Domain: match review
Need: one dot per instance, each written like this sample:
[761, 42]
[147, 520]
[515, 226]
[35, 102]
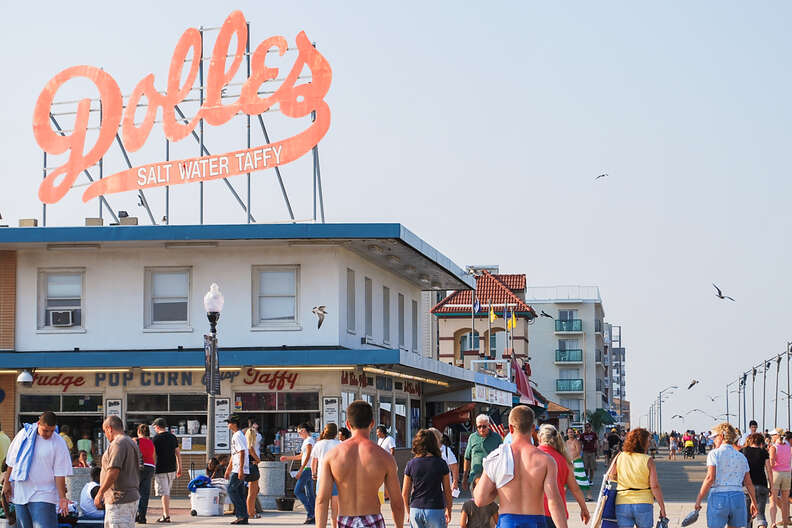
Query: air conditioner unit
[61, 318]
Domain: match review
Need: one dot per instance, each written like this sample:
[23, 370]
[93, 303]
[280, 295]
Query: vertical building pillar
[8, 270]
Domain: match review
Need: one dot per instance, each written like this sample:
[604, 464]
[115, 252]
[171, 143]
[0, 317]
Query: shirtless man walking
[519, 476]
[358, 467]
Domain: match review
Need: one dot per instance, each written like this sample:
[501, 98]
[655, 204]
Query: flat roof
[397, 246]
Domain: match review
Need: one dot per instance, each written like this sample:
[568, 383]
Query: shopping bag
[606, 502]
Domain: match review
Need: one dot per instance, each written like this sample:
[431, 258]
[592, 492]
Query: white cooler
[205, 502]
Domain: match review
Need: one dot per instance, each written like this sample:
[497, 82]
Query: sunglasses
[482, 427]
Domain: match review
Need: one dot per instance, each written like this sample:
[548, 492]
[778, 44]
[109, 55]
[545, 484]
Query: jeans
[762, 495]
[425, 518]
[36, 515]
[726, 508]
[145, 490]
[304, 491]
[237, 492]
[640, 515]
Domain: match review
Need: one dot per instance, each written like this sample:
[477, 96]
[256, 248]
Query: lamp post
[213, 303]
[660, 406]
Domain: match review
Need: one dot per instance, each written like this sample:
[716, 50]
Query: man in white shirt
[743, 440]
[385, 441]
[236, 471]
[304, 489]
[37, 480]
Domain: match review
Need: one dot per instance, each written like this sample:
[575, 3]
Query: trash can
[272, 483]
[76, 482]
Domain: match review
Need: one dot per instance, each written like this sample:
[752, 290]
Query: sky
[481, 127]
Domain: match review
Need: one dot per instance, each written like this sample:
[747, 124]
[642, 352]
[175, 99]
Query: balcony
[574, 355]
[569, 326]
[599, 357]
[569, 385]
[598, 326]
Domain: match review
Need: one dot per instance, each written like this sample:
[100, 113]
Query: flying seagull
[604, 174]
[713, 398]
[720, 295]
[320, 312]
[692, 382]
[545, 314]
[677, 416]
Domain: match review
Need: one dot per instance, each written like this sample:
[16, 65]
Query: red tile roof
[489, 288]
[513, 281]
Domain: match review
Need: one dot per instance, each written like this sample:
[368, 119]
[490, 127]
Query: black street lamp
[213, 303]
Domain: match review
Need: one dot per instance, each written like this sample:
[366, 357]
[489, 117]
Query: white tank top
[86, 501]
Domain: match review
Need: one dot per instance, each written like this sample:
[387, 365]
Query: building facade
[110, 320]
[568, 347]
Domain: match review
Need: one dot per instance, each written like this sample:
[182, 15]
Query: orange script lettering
[295, 100]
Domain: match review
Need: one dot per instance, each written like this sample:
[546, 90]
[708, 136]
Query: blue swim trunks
[513, 520]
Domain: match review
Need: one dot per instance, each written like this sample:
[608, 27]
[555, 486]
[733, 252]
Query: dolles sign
[295, 100]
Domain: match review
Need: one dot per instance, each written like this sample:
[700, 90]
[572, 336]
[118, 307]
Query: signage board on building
[119, 121]
[484, 394]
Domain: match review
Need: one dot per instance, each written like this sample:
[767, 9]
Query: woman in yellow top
[638, 487]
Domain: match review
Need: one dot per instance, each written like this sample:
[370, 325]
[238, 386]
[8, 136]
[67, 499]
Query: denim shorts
[726, 508]
[427, 518]
[640, 515]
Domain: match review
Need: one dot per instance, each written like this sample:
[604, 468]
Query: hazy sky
[481, 127]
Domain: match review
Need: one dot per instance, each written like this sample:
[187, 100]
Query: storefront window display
[78, 416]
[277, 413]
[185, 414]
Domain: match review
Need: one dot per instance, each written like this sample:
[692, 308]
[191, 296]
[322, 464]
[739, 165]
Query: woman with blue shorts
[638, 487]
[327, 441]
[727, 473]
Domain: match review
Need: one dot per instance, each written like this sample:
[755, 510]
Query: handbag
[605, 510]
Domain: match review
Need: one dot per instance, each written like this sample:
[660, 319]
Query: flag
[510, 321]
[492, 315]
[498, 428]
[476, 304]
[513, 319]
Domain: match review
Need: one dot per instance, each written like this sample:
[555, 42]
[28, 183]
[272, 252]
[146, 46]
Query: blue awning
[383, 358]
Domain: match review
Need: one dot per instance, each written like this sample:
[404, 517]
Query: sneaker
[310, 521]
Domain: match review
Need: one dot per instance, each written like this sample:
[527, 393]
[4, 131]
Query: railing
[599, 356]
[600, 385]
[570, 325]
[572, 355]
[569, 385]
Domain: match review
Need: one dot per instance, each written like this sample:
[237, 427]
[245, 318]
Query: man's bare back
[535, 475]
[359, 467]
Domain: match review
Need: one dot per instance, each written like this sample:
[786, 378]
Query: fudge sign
[295, 101]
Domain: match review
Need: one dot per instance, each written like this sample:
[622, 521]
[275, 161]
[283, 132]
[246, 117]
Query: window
[369, 308]
[568, 344]
[275, 296]
[346, 399]
[573, 405]
[401, 321]
[350, 300]
[465, 344]
[567, 315]
[497, 344]
[414, 326]
[386, 314]
[568, 373]
[167, 297]
[60, 305]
